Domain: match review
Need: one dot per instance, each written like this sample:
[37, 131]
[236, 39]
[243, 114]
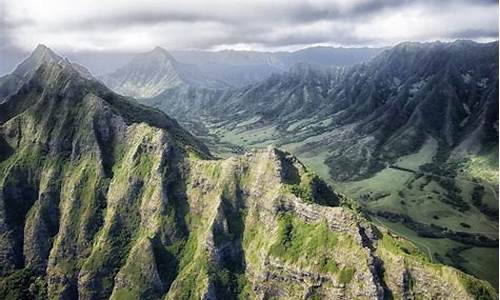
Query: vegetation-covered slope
[103, 198]
[412, 134]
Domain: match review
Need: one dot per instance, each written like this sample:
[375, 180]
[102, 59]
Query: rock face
[101, 197]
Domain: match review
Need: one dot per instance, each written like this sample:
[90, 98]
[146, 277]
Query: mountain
[11, 82]
[150, 73]
[447, 91]
[281, 60]
[331, 56]
[238, 68]
[411, 134]
[101, 197]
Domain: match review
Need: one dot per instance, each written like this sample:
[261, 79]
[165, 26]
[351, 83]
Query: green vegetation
[299, 242]
[303, 190]
[254, 240]
[253, 137]
[23, 284]
[483, 167]
[212, 169]
[314, 190]
[228, 284]
[345, 275]
[481, 262]
[399, 245]
[477, 288]
[124, 294]
[424, 198]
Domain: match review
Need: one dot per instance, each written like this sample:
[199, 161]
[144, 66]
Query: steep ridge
[101, 197]
[151, 73]
[42, 54]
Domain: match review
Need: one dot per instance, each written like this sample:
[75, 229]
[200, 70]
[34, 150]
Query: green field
[480, 262]
[405, 193]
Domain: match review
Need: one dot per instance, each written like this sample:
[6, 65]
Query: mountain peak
[41, 47]
[160, 52]
[149, 74]
[42, 54]
[158, 49]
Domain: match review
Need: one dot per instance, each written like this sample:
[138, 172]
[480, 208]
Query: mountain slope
[411, 134]
[151, 73]
[11, 82]
[101, 197]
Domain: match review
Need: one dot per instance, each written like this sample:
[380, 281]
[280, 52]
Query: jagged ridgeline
[101, 197]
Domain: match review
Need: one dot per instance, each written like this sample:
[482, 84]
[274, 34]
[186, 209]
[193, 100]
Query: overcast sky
[131, 26]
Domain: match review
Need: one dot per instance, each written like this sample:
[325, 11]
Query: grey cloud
[475, 34]
[286, 12]
[268, 24]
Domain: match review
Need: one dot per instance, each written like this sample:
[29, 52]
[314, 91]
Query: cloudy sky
[105, 33]
[130, 26]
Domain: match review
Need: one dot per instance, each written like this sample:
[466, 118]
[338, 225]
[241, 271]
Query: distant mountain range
[240, 68]
[149, 74]
[248, 66]
[104, 198]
